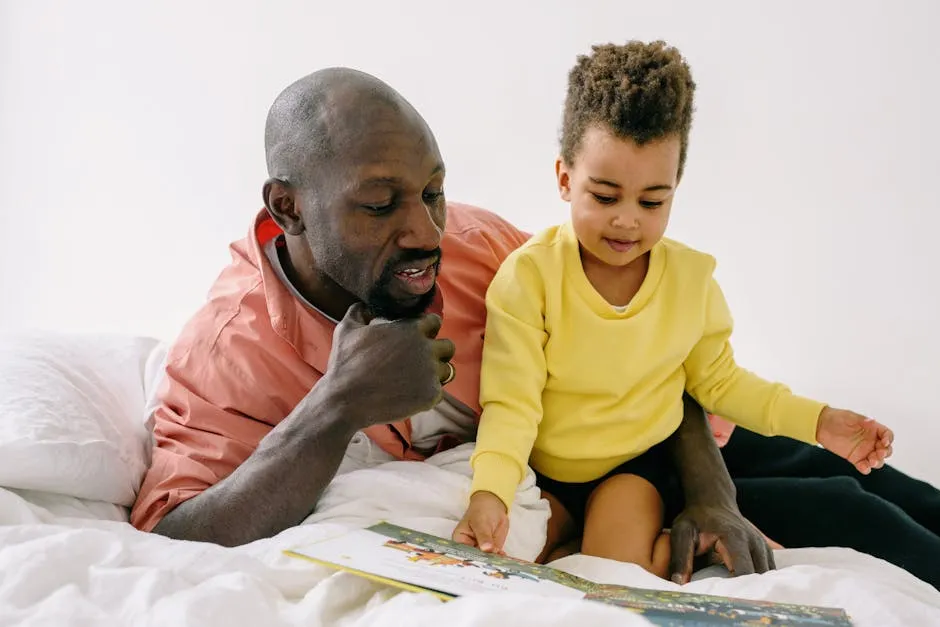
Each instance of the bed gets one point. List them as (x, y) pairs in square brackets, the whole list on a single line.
[(74, 444)]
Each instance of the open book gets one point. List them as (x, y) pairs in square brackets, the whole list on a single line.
[(420, 562)]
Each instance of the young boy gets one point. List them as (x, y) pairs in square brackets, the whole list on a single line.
[(595, 328)]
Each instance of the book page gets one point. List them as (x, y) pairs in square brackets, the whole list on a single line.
[(435, 564), (416, 561), (666, 608)]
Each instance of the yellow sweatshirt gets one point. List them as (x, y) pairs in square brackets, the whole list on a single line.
[(575, 388)]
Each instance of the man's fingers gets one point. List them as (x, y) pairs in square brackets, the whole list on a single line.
[(446, 372), (683, 538), (429, 325), (358, 315), (723, 556), (443, 349), (735, 554), (761, 555)]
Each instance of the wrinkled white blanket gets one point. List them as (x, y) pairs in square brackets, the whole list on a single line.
[(429, 497), (60, 564)]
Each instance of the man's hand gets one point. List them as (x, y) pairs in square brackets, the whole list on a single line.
[(738, 544), (485, 524), (860, 440), (388, 370)]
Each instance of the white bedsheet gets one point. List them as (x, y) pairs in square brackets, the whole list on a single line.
[(61, 565), (429, 497)]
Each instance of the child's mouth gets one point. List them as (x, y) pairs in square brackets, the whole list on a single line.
[(620, 245)]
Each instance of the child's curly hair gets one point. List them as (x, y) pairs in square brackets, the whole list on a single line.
[(639, 91)]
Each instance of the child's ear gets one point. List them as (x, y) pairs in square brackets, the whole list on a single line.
[(564, 179)]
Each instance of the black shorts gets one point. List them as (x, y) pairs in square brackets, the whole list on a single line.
[(655, 465)]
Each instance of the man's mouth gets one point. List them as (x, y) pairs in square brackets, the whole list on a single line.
[(621, 245), (418, 277)]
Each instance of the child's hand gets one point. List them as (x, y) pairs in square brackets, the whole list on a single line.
[(860, 440), (773, 544), (485, 524)]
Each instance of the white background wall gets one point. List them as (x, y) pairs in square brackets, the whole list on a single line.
[(131, 154)]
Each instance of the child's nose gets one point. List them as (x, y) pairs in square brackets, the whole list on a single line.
[(627, 218)]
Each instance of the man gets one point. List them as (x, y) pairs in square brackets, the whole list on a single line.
[(327, 344)]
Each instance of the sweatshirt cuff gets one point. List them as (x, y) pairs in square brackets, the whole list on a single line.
[(798, 417), (496, 473)]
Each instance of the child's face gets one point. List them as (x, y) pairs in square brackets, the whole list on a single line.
[(620, 194)]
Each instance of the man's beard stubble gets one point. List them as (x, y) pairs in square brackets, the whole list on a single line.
[(379, 299)]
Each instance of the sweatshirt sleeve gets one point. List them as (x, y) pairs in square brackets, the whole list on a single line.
[(724, 388), (512, 378)]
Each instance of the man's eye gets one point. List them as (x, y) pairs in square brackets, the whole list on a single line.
[(651, 204), (379, 209), (433, 196), (604, 200)]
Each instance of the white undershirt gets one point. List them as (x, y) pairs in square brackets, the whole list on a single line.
[(450, 416)]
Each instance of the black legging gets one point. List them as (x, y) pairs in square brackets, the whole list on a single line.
[(803, 496)]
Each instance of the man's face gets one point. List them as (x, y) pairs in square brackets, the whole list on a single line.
[(375, 219)]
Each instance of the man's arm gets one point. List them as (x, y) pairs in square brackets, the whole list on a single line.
[(209, 482), (702, 470), (280, 482), (711, 518)]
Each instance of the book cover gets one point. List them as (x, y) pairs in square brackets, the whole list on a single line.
[(419, 562)]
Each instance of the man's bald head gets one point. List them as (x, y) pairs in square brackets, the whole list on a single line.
[(316, 118), (356, 182)]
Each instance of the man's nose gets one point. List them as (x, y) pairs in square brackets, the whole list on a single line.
[(422, 229)]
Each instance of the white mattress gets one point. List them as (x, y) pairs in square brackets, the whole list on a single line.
[(61, 564), (73, 444)]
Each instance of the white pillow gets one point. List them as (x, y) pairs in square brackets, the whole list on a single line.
[(72, 414), (25, 507)]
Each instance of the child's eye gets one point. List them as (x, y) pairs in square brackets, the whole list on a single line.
[(604, 200), (651, 204)]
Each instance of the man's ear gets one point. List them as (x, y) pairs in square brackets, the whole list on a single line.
[(280, 201), (564, 179)]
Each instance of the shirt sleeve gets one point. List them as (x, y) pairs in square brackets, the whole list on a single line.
[(198, 439), (724, 388), (512, 378)]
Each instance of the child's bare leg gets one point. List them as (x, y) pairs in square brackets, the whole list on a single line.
[(560, 533), (624, 521), (661, 553), (564, 550)]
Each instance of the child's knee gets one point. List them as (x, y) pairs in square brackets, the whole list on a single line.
[(626, 488), (634, 485)]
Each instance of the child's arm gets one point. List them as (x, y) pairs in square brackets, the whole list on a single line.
[(512, 378), (721, 386), (724, 388)]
